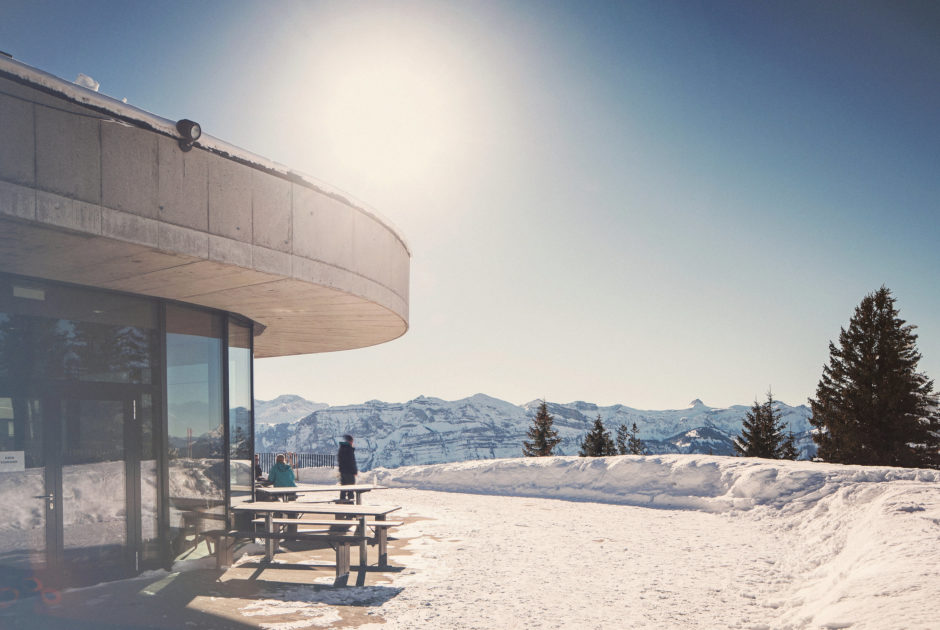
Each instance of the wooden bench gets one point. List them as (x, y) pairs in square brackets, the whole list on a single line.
[(380, 529), (337, 538)]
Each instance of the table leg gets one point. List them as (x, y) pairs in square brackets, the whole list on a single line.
[(342, 564), (363, 557), (358, 497), (269, 541), (382, 534)]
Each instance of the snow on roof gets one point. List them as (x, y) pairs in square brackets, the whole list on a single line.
[(76, 93)]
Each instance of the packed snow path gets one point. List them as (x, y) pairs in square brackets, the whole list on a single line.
[(728, 543), (502, 562)]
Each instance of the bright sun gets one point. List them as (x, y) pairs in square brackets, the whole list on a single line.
[(387, 103)]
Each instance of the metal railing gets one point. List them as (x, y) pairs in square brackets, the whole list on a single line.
[(298, 460)]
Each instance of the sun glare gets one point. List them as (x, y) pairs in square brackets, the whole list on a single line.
[(387, 103)]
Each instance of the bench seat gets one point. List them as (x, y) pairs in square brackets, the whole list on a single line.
[(340, 542), (326, 523)]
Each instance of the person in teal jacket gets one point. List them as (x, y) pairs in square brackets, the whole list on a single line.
[(281, 474)]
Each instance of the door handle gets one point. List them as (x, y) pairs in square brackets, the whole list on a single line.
[(45, 496)]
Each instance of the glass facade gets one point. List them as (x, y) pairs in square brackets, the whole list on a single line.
[(239, 409), (195, 447), (125, 425)]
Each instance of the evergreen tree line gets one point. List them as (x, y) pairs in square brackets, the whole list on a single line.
[(872, 406), (543, 438), (598, 443)]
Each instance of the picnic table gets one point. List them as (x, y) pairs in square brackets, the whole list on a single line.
[(339, 512), (283, 493)]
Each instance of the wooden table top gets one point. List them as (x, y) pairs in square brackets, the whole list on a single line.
[(307, 487), (316, 508)]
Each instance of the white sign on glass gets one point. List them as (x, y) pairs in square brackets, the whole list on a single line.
[(12, 461)]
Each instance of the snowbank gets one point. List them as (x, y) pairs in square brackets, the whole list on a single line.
[(701, 482)]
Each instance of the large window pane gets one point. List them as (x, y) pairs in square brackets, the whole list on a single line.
[(59, 332), (240, 405), (194, 422)]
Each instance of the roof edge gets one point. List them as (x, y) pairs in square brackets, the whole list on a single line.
[(49, 83)]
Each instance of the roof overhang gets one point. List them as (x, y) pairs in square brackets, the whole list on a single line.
[(94, 193)]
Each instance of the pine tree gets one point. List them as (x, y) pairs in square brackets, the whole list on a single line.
[(872, 406), (761, 431), (623, 437), (635, 445), (597, 443), (544, 438), (788, 449)]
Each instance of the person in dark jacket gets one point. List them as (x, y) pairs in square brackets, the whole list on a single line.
[(346, 458)]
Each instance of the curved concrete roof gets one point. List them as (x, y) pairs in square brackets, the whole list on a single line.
[(98, 193)]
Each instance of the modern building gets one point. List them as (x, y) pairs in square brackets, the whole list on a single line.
[(143, 265)]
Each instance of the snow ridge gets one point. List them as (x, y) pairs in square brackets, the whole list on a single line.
[(702, 482)]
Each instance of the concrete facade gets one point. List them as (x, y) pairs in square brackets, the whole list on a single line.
[(102, 199)]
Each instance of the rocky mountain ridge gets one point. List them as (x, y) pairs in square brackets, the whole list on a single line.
[(430, 430)]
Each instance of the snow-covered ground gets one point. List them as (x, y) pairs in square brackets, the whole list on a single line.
[(665, 542)]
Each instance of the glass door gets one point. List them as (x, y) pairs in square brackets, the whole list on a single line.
[(23, 480), (92, 493), (73, 479)]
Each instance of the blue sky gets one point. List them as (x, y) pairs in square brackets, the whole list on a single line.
[(638, 203)]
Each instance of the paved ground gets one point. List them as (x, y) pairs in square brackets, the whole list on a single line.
[(249, 595)]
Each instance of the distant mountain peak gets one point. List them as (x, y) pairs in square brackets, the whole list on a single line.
[(696, 403), (485, 399), (283, 398)]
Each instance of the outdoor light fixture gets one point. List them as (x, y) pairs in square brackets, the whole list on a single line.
[(189, 132)]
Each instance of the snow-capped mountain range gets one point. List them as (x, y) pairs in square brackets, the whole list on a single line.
[(431, 431)]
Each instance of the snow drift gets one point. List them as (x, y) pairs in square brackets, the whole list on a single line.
[(703, 482)]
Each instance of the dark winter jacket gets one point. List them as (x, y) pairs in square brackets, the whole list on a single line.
[(281, 475), (346, 458)]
